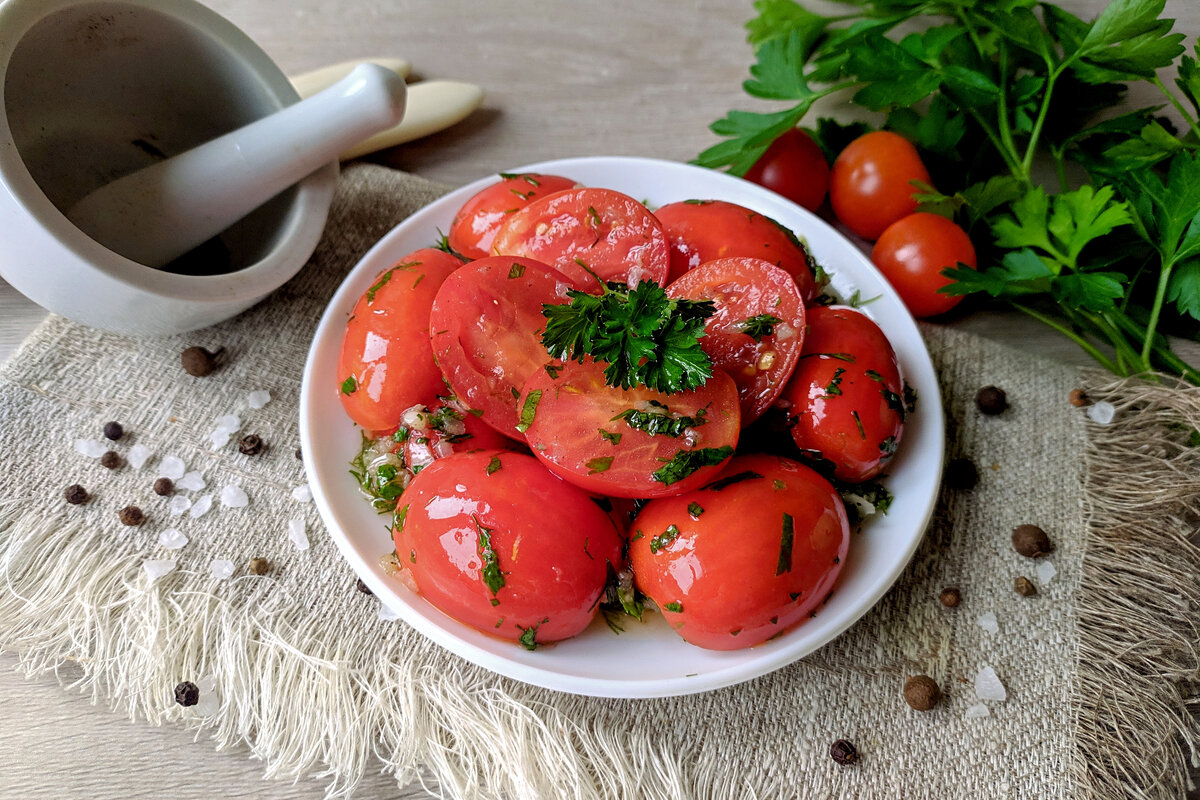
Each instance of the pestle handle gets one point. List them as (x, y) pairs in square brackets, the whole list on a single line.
[(157, 214)]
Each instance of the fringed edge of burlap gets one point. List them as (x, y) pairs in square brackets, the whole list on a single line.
[(1138, 682)]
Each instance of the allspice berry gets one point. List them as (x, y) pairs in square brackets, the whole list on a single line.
[(198, 361), (187, 694), (991, 400), (362, 587), (110, 460), (251, 445), (131, 515), (1024, 586), (164, 487), (843, 752), (961, 473), (75, 494), (950, 596), (1079, 398), (113, 430), (1031, 541), (259, 566), (922, 692)]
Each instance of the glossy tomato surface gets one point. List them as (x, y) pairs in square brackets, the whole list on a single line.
[(705, 230), (628, 442), (912, 252), (745, 558), (757, 331), (578, 230), (475, 224), (870, 185), (386, 364), (794, 167), (485, 326), (497, 542)]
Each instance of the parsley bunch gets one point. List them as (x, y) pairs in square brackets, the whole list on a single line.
[(644, 336), (997, 94)]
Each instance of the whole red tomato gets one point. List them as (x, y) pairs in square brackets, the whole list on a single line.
[(794, 167), (871, 182), (912, 252)]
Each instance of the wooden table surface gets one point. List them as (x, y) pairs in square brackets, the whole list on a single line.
[(562, 79)]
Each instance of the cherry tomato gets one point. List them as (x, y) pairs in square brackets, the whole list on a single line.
[(745, 558), (870, 185), (628, 442), (386, 364), (846, 407), (475, 225), (758, 329), (705, 230), (615, 236), (494, 540), (794, 167), (912, 252), (484, 326)]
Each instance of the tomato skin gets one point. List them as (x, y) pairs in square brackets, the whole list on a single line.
[(385, 348), (795, 167), (475, 224), (735, 581), (551, 543), (845, 406), (870, 183), (743, 288), (484, 327), (705, 230), (575, 405), (614, 234), (912, 252)]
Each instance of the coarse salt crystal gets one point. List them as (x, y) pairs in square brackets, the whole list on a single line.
[(415, 417), (178, 505), (218, 439), (258, 398), (221, 568), (172, 467), (978, 711), (201, 506), (387, 614), (234, 496), (229, 423), (1045, 572), (989, 622), (302, 493), (193, 481), (297, 535), (1101, 413), (157, 567), (783, 332), (138, 455), (172, 539), (209, 702), (207, 684), (90, 448), (988, 685)]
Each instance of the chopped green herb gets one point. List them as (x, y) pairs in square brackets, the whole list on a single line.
[(735, 631), (758, 326), (910, 398), (599, 464), (722, 483), (664, 538), (349, 386), (637, 535), (493, 578), (659, 421), (834, 388), (778, 485), (516, 270), (858, 421), (888, 447), (552, 370), (516, 395), (529, 635), (499, 622), (529, 409), (695, 510), (609, 436), (493, 465), (875, 376), (401, 515), (794, 595), (379, 284), (894, 402), (685, 462), (475, 412), (401, 435), (674, 607), (593, 217), (785, 546), (412, 556)]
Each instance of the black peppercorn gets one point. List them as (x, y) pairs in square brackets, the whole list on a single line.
[(251, 445), (843, 752), (1031, 541), (110, 460), (187, 694), (164, 487), (1024, 586), (922, 692), (362, 587), (75, 494), (113, 430), (961, 474), (131, 515), (198, 361), (991, 400), (259, 566), (950, 596)]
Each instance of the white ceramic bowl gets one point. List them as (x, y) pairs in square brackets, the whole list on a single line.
[(92, 90), (648, 660)]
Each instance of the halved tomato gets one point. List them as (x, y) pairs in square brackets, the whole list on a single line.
[(475, 225)]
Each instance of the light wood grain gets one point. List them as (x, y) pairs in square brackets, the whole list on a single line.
[(562, 79)]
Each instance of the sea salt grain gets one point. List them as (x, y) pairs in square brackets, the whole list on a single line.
[(172, 539), (218, 439), (1045, 572), (193, 481), (234, 497), (1101, 413), (155, 568), (258, 398), (386, 614), (209, 702), (978, 711), (138, 455), (201, 506), (90, 448), (988, 685), (302, 493), (178, 505), (220, 568), (172, 467), (229, 423), (989, 622), (297, 535)]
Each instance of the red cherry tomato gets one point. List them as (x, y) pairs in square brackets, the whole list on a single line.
[(758, 329), (870, 185), (386, 364), (484, 326), (794, 167), (746, 557), (912, 252), (628, 442), (705, 230), (845, 404), (494, 540), (474, 226), (615, 236)]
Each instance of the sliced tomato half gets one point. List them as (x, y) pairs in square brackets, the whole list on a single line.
[(475, 225)]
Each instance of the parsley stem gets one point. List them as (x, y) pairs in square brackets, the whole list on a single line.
[(1009, 158), (1002, 106), (1162, 348), (1160, 295), (1157, 81), (1036, 134), (1083, 343)]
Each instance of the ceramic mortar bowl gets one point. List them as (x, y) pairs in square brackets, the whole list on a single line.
[(93, 90)]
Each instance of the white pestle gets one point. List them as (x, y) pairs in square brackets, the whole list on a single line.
[(157, 214)]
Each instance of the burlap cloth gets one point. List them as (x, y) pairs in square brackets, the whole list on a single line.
[(1099, 666)]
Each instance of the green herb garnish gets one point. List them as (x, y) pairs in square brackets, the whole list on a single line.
[(529, 410), (685, 462), (758, 326), (659, 421), (785, 545)]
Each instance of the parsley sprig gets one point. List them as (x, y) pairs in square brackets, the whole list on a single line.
[(995, 95), (645, 337)]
